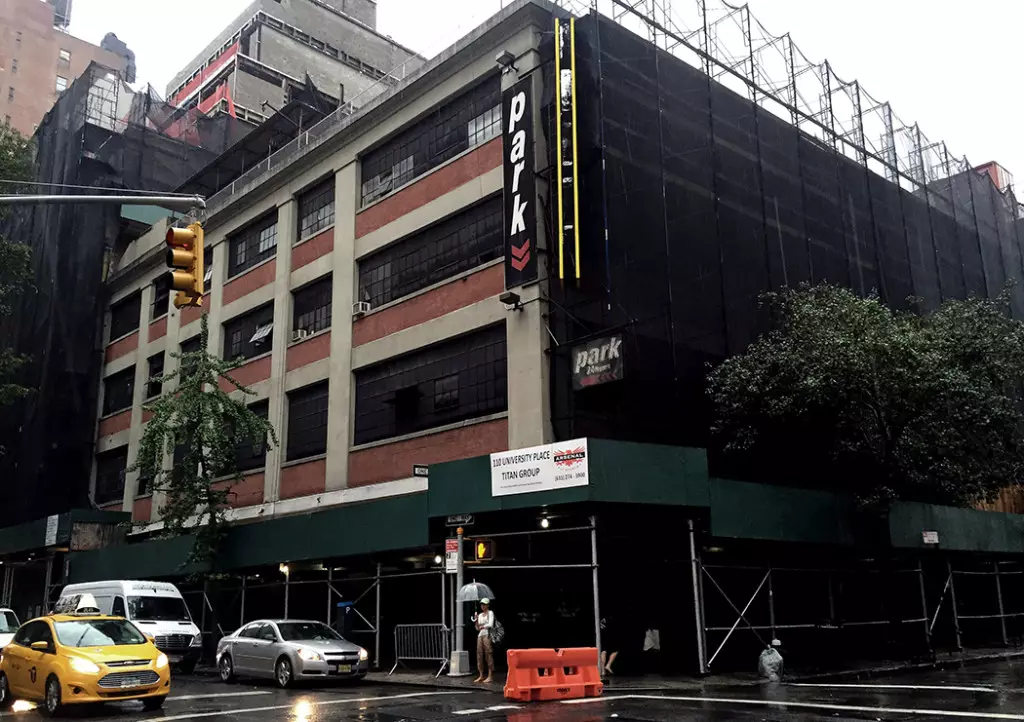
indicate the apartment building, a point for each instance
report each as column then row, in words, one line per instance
column 39, row 59
column 275, row 45
column 360, row 285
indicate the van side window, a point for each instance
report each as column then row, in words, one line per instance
column 117, row 609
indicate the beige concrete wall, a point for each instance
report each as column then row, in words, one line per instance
column 528, row 416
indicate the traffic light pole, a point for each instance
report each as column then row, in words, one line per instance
column 459, row 663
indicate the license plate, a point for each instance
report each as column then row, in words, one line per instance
column 343, row 668
column 174, row 658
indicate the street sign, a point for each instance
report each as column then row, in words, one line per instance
column 459, row 520
column 451, row 556
column 420, row 470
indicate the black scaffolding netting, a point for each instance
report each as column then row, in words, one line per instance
column 709, row 200
column 99, row 134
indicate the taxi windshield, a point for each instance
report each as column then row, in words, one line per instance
column 98, row 633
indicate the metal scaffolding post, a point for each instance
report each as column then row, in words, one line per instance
column 952, row 599
column 330, row 595
column 999, row 597
column 698, row 603
column 924, row 607
column 597, row 602
column 376, row 625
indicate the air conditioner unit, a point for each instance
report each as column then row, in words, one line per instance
column 300, row 333
column 360, row 308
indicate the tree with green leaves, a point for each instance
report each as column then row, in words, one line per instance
column 15, row 258
column 200, row 427
column 891, row 405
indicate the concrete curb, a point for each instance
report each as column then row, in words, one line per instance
column 695, row 684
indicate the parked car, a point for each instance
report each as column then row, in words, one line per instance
column 287, row 651
column 8, row 626
column 157, row 608
column 82, row 657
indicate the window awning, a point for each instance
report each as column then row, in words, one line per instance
column 262, row 332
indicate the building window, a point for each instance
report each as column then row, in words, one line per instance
column 156, row 369
column 313, row 307
column 449, row 248
column 17, row 39
column 14, row 66
column 124, row 316
column 207, row 268
column 7, row 120
column 62, row 83
column 110, row 472
column 190, row 346
column 485, row 126
column 316, row 209
column 249, row 335
column 161, row 295
column 118, row 391
column 10, row 93
column 252, row 454
column 453, row 381
column 307, row 422
column 439, row 137
column 252, row 245
column 64, row 58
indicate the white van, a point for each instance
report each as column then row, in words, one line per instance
column 8, row 626
column 156, row 608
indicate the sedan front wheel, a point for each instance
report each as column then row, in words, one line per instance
column 227, row 669
column 283, row 672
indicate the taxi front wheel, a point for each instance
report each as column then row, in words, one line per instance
column 5, row 692
column 52, row 700
column 154, row 703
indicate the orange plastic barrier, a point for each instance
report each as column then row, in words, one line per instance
column 547, row 674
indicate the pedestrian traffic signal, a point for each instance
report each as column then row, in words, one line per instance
column 185, row 259
column 483, row 550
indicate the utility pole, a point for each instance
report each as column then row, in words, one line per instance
column 459, row 663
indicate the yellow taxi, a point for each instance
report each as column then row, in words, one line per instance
column 82, row 657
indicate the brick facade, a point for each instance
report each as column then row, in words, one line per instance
column 304, row 479
column 313, row 248
column 122, row 347
column 432, row 304
column 395, row 461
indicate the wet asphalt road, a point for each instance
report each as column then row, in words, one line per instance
column 994, row 691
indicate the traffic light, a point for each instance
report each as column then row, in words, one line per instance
column 483, row 550
column 185, row 259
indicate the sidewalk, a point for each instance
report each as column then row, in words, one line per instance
column 652, row 683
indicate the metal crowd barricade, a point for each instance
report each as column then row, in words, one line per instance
column 421, row 643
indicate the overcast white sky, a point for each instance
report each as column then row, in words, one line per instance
column 953, row 67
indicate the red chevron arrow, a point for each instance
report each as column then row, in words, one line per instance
column 521, row 256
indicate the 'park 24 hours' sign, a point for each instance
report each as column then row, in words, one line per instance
column 520, row 191
column 540, row 468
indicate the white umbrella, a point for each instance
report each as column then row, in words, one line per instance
column 474, row 592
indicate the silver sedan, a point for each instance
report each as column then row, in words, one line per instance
column 288, row 650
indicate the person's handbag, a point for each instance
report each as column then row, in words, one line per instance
column 497, row 632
